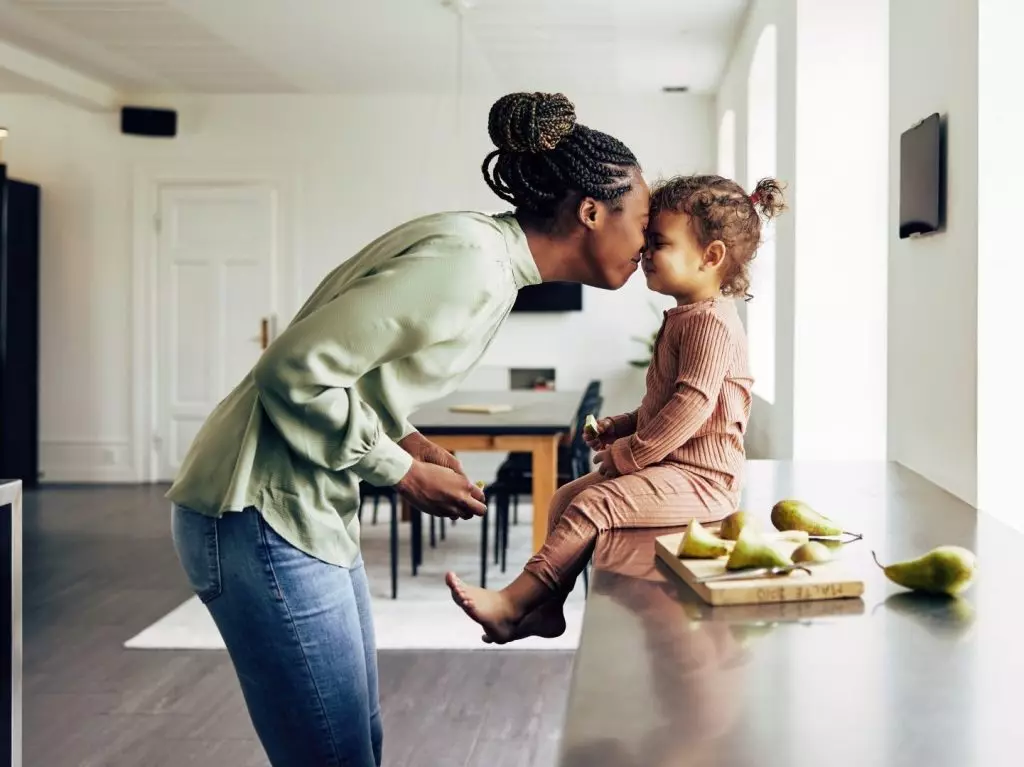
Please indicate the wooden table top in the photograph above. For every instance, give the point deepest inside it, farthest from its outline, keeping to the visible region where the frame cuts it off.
(661, 678)
(533, 412)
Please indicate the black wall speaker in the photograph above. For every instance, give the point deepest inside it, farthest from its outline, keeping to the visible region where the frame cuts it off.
(142, 121)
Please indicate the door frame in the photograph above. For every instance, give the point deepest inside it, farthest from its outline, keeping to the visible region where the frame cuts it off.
(146, 185)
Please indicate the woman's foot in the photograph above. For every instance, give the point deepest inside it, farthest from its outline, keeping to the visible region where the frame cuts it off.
(493, 610)
(547, 621)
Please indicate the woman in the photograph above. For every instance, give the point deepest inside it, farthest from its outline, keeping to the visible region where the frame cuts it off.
(265, 520)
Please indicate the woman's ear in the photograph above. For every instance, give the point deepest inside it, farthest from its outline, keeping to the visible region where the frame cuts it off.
(589, 212)
(714, 254)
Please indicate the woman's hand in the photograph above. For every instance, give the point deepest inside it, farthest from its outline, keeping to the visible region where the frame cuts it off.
(422, 449)
(441, 491)
(605, 464)
(604, 436)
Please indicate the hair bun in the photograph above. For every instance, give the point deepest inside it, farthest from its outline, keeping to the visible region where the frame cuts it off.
(530, 122)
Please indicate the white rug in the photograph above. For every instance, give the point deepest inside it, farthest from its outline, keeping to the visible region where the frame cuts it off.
(422, 618)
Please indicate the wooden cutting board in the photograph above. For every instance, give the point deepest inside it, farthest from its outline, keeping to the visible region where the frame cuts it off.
(831, 580)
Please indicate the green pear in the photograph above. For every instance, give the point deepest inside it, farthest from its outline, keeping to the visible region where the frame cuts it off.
(812, 551)
(943, 570)
(753, 550)
(745, 633)
(791, 536)
(942, 615)
(797, 515)
(733, 525)
(590, 424)
(698, 543)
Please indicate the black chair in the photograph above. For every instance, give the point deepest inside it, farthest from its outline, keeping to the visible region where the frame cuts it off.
(377, 493)
(512, 482)
(522, 463)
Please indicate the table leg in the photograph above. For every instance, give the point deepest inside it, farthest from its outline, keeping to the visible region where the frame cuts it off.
(545, 482)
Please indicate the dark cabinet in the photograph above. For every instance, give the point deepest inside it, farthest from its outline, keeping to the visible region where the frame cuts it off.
(19, 330)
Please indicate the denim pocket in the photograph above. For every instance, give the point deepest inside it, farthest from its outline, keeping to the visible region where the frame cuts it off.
(195, 540)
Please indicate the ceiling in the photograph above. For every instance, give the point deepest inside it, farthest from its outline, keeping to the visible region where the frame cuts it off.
(374, 46)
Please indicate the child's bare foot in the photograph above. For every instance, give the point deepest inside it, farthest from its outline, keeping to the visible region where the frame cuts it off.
(547, 621)
(491, 609)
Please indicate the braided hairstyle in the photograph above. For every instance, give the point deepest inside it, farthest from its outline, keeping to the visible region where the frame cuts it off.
(721, 210)
(544, 156)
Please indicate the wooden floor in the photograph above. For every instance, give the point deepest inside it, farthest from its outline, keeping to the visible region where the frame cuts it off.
(99, 567)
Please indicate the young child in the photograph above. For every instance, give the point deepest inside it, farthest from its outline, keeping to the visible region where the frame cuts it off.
(680, 455)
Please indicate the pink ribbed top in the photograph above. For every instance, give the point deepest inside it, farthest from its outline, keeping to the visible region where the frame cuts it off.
(697, 404)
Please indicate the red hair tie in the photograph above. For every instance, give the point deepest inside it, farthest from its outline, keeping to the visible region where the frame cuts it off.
(755, 198)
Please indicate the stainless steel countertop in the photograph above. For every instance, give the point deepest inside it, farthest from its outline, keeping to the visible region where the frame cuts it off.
(661, 678)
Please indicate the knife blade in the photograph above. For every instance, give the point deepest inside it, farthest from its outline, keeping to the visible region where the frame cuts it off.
(760, 572)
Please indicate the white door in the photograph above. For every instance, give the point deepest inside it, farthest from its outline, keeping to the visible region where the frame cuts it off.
(215, 303)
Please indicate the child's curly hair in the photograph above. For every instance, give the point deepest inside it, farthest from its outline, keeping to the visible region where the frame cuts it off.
(721, 210)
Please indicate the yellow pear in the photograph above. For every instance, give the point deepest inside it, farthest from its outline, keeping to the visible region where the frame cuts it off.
(754, 550)
(733, 525)
(698, 543)
(943, 570)
(797, 515)
(812, 551)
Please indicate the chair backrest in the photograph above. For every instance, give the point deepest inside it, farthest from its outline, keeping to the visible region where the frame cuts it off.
(579, 449)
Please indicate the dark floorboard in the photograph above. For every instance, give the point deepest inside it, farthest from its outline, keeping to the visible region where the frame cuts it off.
(99, 567)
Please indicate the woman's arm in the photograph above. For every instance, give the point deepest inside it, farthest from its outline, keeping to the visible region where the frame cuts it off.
(703, 365)
(307, 378)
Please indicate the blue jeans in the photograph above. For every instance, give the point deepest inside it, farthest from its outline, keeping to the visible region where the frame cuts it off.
(299, 633)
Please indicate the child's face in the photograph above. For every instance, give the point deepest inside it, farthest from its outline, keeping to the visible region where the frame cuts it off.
(675, 262)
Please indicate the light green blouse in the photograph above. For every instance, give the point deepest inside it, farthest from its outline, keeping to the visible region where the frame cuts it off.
(398, 325)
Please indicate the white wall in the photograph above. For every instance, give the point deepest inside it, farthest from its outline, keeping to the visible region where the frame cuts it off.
(358, 165)
(840, 206)
(933, 281)
(770, 432)
(830, 246)
(1000, 267)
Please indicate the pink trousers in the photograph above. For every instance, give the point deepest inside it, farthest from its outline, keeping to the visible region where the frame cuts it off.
(664, 495)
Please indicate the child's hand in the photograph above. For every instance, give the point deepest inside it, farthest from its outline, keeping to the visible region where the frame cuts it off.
(605, 464)
(600, 439)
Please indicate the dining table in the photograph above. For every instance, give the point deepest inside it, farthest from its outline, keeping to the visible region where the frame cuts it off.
(515, 420)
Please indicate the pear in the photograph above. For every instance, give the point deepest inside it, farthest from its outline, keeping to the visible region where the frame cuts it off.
(698, 543)
(797, 515)
(792, 536)
(590, 424)
(943, 570)
(753, 550)
(945, 616)
(745, 633)
(812, 551)
(733, 525)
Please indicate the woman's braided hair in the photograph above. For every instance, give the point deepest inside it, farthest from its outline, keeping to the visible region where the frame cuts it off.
(543, 155)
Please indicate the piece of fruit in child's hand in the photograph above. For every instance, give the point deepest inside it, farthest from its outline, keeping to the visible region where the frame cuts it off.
(590, 424)
(480, 483)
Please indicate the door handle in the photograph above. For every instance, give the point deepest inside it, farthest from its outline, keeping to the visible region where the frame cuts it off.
(264, 333)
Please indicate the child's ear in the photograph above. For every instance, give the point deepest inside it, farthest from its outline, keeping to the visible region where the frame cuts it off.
(714, 254)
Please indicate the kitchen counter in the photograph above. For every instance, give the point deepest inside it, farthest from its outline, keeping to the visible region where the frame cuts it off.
(10, 632)
(661, 678)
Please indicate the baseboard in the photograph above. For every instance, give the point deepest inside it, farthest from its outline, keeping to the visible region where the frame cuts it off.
(104, 461)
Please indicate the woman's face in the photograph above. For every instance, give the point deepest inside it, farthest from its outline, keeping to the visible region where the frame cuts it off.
(616, 242)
